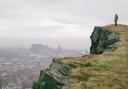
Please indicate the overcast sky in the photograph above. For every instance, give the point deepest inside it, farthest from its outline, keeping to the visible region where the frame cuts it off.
(68, 22)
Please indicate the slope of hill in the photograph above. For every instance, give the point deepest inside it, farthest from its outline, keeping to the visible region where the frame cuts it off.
(105, 68)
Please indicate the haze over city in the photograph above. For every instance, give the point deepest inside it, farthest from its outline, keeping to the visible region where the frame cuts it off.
(50, 22)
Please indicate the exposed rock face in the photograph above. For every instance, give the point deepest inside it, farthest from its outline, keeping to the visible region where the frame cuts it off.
(102, 39)
(54, 78)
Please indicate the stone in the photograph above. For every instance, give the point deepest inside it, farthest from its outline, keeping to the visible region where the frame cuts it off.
(102, 39)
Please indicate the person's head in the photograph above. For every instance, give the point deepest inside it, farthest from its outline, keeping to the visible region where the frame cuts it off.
(116, 14)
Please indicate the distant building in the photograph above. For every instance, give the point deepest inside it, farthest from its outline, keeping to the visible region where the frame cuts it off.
(59, 51)
(36, 47)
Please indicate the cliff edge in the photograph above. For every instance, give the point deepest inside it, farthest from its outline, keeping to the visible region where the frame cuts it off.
(105, 68)
(102, 39)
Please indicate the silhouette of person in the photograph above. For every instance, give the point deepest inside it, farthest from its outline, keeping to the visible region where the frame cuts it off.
(116, 19)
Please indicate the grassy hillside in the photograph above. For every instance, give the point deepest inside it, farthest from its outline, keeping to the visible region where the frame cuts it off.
(108, 70)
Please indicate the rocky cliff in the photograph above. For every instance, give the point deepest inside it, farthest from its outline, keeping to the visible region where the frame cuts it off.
(101, 70)
(57, 77)
(102, 39)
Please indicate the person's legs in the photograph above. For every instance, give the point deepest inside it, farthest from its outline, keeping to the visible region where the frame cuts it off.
(115, 23)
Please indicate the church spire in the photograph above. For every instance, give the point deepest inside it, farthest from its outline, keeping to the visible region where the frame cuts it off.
(59, 51)
(59, 48)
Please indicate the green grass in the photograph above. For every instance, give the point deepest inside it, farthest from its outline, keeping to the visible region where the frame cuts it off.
(104, 71)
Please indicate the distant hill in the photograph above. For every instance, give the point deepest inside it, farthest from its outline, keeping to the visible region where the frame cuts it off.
(40, 49)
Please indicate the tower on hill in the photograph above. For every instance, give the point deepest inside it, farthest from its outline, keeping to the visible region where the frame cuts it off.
(59, 51)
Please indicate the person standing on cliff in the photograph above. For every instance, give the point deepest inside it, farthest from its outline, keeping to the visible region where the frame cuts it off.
(116, 19)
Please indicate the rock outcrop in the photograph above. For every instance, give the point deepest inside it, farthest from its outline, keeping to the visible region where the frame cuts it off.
(56, 77)
(102, 39)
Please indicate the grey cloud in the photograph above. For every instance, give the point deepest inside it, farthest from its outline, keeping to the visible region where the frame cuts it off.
(29, 16)
(70, 10)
